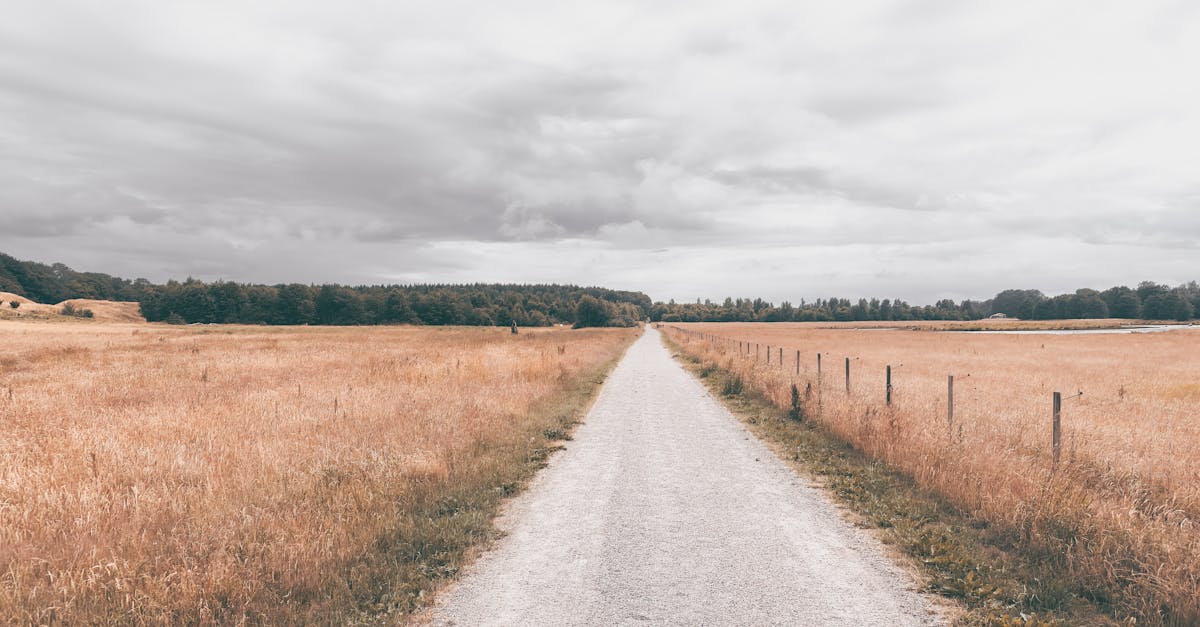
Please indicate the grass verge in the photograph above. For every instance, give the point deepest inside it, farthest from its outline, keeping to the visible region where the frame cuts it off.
(960, 557)
(449, 520)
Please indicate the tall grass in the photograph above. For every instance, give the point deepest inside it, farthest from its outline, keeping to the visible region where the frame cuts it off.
(288, 475)
(1116, 519)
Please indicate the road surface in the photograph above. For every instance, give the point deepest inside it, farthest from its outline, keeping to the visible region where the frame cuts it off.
(664, 509)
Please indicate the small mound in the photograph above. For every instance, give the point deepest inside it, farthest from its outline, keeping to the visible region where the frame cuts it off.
(107, 310)
(8, 297)
(102, 310)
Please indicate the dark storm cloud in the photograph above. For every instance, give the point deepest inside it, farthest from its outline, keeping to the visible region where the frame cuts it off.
(680, 150)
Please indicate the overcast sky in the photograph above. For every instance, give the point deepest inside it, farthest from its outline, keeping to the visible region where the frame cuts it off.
(782, 149)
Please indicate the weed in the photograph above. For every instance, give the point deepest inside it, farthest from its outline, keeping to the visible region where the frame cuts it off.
(962, 556)
(732, 385)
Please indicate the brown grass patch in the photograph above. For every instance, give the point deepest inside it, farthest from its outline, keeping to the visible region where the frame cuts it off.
(1116, 521)
(265, 475)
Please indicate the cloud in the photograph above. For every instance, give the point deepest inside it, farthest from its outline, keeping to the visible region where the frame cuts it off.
(687, 150)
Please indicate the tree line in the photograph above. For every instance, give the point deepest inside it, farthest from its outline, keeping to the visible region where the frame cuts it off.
(1149, 300)
(194, 301)
(819, 310)
(474, 305)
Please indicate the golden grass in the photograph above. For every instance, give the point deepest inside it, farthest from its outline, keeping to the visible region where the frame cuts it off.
(1118, 517)
(8, 297)
(107, 310)
(153, 474)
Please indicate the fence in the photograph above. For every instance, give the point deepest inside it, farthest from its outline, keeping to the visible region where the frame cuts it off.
(743, 348)
(1106, 487)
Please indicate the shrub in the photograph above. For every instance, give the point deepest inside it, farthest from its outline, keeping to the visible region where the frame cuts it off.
(77, 312)
(733, 385)
(592, 312)
(795, 412)
(14, 304)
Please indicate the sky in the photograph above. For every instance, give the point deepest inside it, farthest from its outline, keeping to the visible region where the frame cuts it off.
(780, 149)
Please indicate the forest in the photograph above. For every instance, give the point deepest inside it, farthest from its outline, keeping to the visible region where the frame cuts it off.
(1149, 301)
(194, 301)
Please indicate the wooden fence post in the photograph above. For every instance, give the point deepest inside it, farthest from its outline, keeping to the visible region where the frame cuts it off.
(950, 401)
(797, 362)
(1057, 437)
(847, 376)
(889, 386)
(780, 356)
(820, 399)
(768, 354)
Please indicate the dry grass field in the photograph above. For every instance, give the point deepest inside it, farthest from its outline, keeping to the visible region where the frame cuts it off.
(156, 474)
(1117, 518)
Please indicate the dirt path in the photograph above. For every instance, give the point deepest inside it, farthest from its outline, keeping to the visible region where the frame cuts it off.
(664, 509)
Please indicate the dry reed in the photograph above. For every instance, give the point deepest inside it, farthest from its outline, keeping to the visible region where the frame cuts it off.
(153, 474)
(1117, 519)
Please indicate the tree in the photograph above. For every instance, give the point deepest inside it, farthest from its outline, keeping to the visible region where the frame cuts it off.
(1147, 289)
(592, 312)
(229, 299)
(1122, 302)
(295, 305)
(1086, 304)
(1017, 303)
(1176, 307)
(396, 309)
(1126, 305)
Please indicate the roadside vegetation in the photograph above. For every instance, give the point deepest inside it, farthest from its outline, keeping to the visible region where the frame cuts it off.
(1109, 529)
(231, 475)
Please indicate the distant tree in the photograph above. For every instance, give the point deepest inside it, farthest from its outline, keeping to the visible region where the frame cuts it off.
(1017, 303)
(885, 309)
(1154, 307)
(337, 305)
(1126, 305)
(1175, 307)
(396, 309)
(14, 304)
(195, 303)
(1086, 303)
(295, 305)
(592, 312)
(1122, 302)
(1051, 308)
(1147, 290)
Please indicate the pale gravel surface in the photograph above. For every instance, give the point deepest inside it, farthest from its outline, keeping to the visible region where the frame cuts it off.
(664, 509)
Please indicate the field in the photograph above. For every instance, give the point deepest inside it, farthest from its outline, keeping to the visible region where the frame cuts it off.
(1116, 518)
(156, 474)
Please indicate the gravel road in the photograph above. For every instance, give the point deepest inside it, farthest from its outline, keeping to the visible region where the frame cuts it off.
(664, 509)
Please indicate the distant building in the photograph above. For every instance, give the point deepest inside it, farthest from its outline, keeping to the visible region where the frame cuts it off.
(997, 316)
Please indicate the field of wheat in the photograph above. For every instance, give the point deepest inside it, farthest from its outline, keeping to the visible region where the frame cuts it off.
(154, 474)
(1117, 516)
